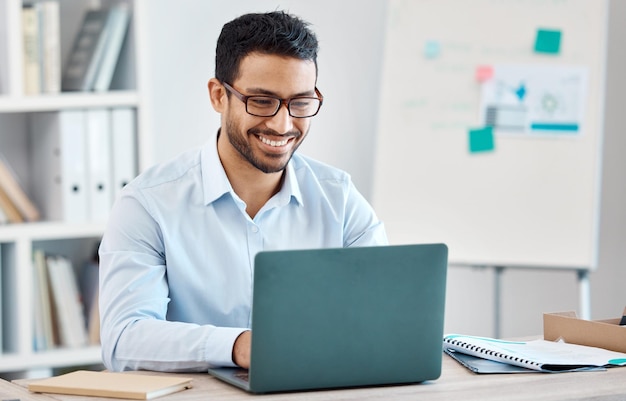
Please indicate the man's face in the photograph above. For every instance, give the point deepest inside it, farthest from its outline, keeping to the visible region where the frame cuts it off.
(267, 143)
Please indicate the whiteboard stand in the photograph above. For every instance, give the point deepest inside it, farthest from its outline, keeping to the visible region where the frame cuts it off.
(584, 291)
(584, 288)
(497, 299)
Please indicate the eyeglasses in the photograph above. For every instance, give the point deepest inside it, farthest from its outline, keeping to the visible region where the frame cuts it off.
(268, 106)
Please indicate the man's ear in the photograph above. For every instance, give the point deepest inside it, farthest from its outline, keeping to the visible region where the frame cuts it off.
(217, 94)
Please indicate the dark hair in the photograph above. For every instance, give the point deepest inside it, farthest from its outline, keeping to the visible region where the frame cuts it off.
(275, 33)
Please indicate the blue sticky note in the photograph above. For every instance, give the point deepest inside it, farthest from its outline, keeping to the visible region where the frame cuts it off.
(520, 92)
(548, 41)
(432, 48)
(481, 140)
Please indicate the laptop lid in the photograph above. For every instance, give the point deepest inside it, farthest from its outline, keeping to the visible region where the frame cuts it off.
(346, 317)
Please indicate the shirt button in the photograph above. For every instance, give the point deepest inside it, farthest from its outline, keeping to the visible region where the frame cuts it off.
(254, 229)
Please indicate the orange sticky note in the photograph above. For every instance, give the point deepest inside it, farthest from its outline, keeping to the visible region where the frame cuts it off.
(484, 73)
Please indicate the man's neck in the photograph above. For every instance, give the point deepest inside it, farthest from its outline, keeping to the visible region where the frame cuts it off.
(253, 186)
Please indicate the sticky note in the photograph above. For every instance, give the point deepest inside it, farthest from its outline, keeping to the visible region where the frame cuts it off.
(432, 48)
(484, 73)
(548, 41)
(481, 140)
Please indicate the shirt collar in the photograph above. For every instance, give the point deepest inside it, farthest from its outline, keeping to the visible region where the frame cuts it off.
(214, 179)
(290, 187)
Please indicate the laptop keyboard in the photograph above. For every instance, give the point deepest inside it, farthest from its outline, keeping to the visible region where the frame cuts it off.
(243, 376)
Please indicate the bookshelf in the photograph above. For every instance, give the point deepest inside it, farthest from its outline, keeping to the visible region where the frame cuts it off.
(76, 240)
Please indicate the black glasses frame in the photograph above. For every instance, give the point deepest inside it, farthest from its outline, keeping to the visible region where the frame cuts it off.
(286, 102)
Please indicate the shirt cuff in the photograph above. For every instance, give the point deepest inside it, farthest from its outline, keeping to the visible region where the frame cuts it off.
(219, 346)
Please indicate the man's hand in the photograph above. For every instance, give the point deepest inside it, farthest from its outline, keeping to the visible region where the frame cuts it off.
(241, 350)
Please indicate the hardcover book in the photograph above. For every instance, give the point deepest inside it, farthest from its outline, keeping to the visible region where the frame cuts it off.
(87, 51)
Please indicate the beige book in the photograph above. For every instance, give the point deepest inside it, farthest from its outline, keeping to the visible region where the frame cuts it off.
(30, 28)
(15, 192)
(10, 210)
(112, 384)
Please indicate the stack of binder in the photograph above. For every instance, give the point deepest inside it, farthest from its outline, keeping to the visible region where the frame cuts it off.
(81, 160)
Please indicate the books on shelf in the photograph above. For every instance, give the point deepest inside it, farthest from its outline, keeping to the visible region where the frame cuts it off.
(112, 384)
(88, 283)
(3, 217)
(44, 335)
(13, 199)
(50, 45)
(30, 29)
(66, 301)
(117, 25)
(10, 214)
(41, 35)
(536, 355)
(96, 49)
(65, 306)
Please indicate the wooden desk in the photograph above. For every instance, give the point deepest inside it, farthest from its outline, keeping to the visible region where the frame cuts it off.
(455, 383)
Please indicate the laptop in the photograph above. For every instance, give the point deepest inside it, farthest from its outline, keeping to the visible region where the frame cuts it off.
(345, 317)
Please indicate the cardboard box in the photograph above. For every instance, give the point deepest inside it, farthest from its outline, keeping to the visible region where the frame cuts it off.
(607, 334)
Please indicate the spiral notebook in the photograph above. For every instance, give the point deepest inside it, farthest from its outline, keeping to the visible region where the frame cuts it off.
(538, 355)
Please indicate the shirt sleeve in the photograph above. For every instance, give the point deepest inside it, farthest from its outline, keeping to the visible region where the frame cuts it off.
(361, 227)
(133, 301)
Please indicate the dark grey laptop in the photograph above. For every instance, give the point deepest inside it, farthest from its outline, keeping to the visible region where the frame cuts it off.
(346, 317)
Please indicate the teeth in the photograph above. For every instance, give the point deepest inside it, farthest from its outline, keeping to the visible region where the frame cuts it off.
(273, 143)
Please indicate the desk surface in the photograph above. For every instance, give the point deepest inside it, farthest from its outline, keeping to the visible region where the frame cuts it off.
(455, 383)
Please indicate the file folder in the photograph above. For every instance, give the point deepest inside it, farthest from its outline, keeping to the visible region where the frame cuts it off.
(59, 165)
(99, 177)
(123, 134)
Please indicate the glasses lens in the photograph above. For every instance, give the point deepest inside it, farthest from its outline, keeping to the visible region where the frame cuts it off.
(262, 106)
(304, 106)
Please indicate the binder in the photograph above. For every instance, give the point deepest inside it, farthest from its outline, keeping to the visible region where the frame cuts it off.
(123, 133)
(59, 158)
(99, 177)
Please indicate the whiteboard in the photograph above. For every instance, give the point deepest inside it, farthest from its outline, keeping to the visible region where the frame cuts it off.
(529, 200)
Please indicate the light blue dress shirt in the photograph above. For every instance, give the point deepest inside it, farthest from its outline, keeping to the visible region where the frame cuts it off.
(176, 259)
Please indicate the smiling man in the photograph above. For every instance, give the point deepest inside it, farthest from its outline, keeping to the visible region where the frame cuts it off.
(176, 260)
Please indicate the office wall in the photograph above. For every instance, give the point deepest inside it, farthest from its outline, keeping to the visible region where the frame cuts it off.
(180, 41)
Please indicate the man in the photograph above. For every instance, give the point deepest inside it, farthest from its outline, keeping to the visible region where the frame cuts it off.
(176, 260)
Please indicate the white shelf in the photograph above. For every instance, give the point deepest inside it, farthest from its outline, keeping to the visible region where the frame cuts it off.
(54, 358)
(18, 104)
(74, 240)
(49, 230)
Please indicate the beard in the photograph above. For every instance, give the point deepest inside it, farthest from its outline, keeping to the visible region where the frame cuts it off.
(265, 162)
